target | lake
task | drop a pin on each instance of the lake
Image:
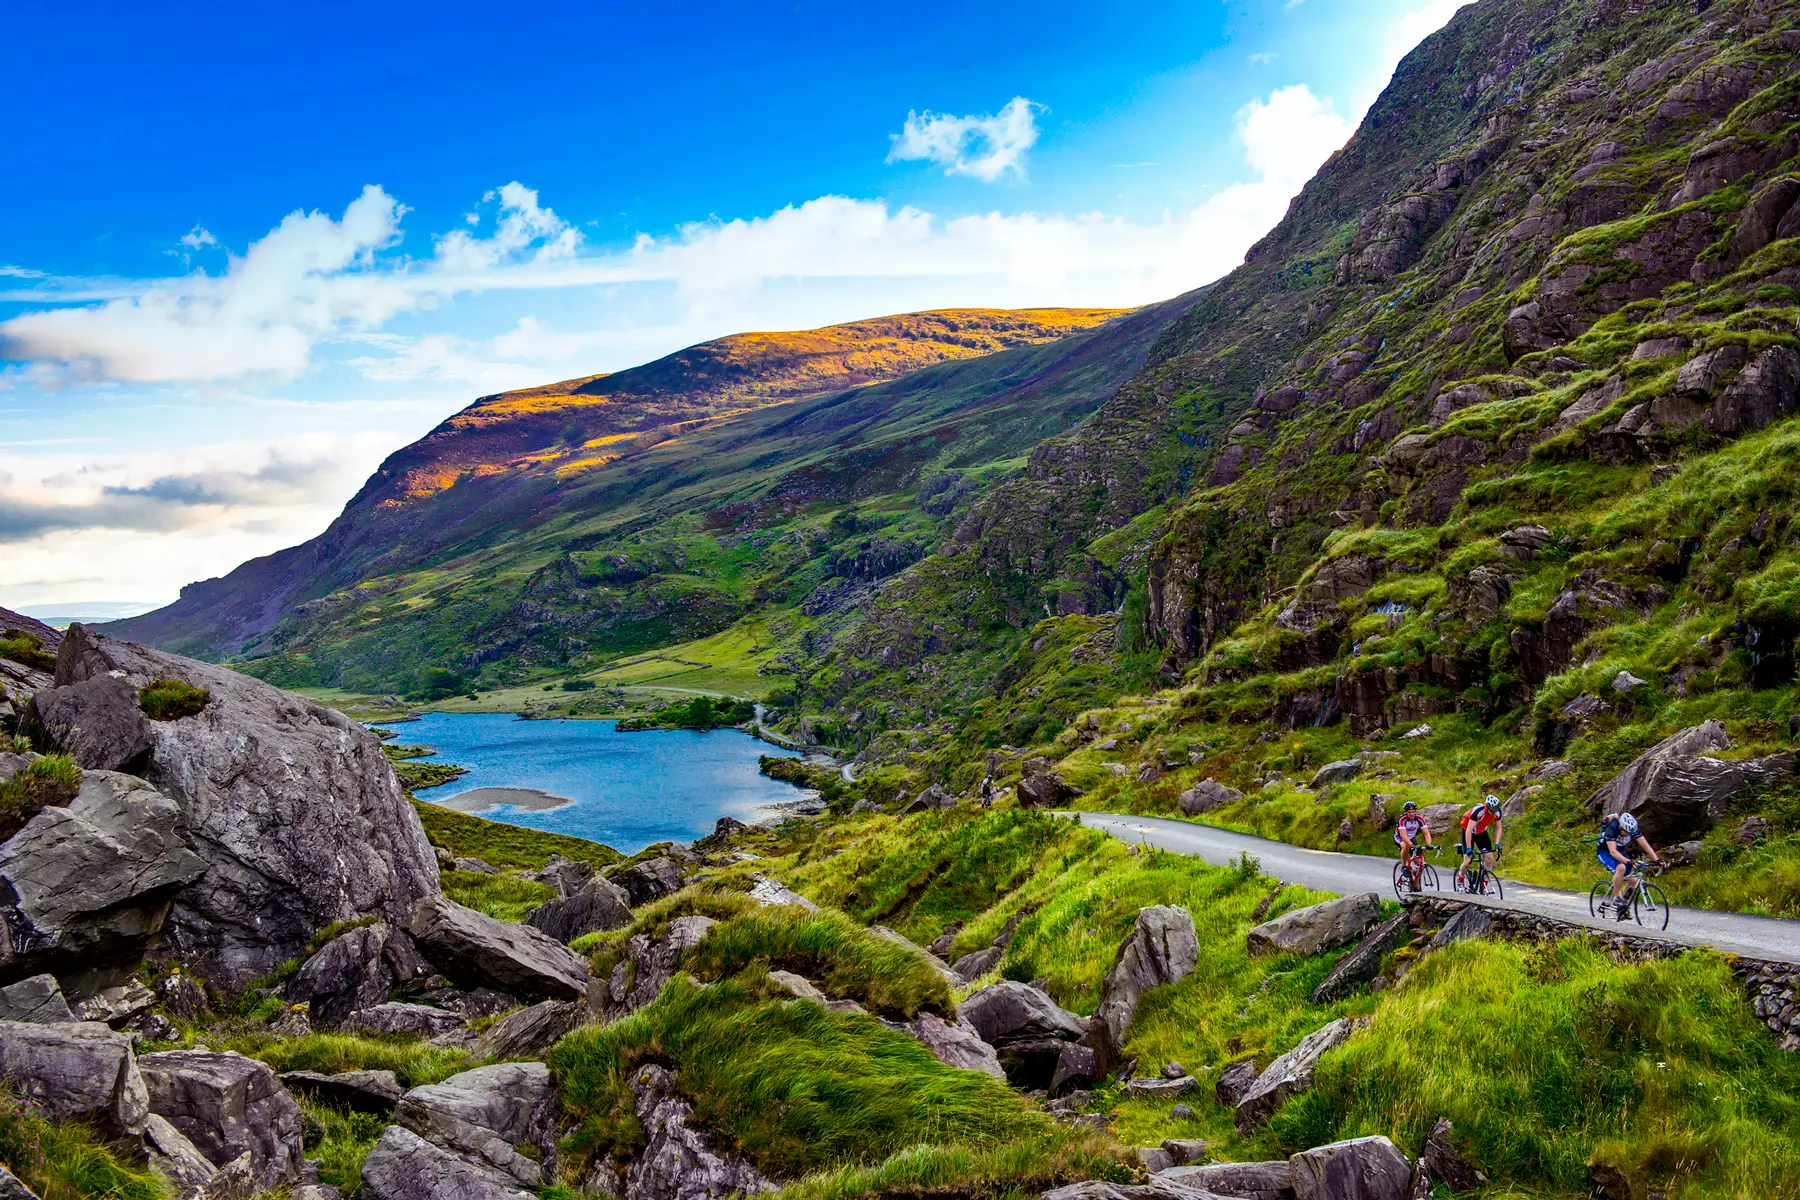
(625, 789)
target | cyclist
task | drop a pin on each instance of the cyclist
(1406, 832)
(987, 791)
(1617, 833)
(1475, 836)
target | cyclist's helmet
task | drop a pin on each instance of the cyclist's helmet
(1492, 801)
(1628, 825)
(1410, 806)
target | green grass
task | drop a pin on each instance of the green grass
(26, 648)
(503, 897)
(67, 1160)
(50, 782)
(171, 699)
(345, 1142)
(414, 1061)
(505, 845)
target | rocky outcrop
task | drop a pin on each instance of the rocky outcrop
(955, 1044)
(1040, 787)
(1205, 796)
(1248, 1180)
(1675, 789)
(1319, 928)
(404, 1166)
(37, 1000)
(1162, 949)
(648, 964)
(500, 1118)
(361, 1091)
(475, 950)
(530, 1031)
(1026, 1028)
(97, 721)
(774, 894)
(1288, 1075)
(1363, 963)
(228, 1106)
(399, 1017)
(294, 808)
(356, 970)
(1342, 771)
(649, 880)
(1366, 1168)
(564, 874)
(80, 1070)
(1443, 1163)
(87, 888)
(178, 1160)
(676, 1163)
(598, 904)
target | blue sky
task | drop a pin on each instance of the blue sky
(246, 254)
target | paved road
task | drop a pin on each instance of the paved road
(1736, 933)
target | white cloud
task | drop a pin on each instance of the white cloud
(982, 147)
(1288, 136)
(1262, 58)
(1413, 26)
(523, 224)
(198, 237)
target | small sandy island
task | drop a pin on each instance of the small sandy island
(485, 799)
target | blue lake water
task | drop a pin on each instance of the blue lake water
(627, 789)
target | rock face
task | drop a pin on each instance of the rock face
(1318, 928)
(294, 808)
(1205, 796)
(356, 970)
(676, 1164)
(80, 1069)
(88, 887)
(228, 1105)
(1676, 789)
(1363, 963)
(1162, 949)
(596, 905)
(475, 950)
(404, 1166)
(647, 965)
(1288, 1075)
(36, 1001)
(97, 721)
(486, 1117)
(1026, 1028)
(395, 1016)
(1249, 1180)
(649, 880)
(530, 1031)
(1368, 1168)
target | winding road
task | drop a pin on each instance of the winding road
(1772, 938)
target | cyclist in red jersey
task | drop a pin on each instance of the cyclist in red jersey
(1476, 835)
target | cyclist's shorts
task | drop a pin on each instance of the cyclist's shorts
(1483, 842)
(1608, 861)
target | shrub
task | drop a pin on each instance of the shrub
(26, 648)
(50, 782)
(171, 699)
(578, 685)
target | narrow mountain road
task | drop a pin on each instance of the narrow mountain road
(1772, 938)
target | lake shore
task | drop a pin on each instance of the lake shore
(520, 799)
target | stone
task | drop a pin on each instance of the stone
(1445, 1163)
(1378, 812)
(797, 986)
(363, 1091)
(1009, 1010)
(954, 1044)
(1173, 1070)
(228, 1105)
(1160, 1187)
(1762, 393)
(13, 1188)
(1342, 771)
(1045, 789)
(1185, 1150)
(1151, 1087)
(565, 875)
(396, 1016)
(774, 893)
(648, 965)
(501, 1117)
(1418, 731)
(315, 1191)
(176, 1158)
(358, 969)
(78, 1069)
(1470, 921)
(971, 967)
(1317, 928)
(1676, 789)
(474, 866)
(1365, 1168)
(864, 806)
(37, 1000)
(86, 889)
(676, 1163)
(1515, 803)
(1750, 831)
(474, 950)
(1162, 949)
(1363, 963)
(1247, 1180)
(598, 904)
(1075, 1068)
(649, 880)
(1205, 796)
(530, 1031)
(937, 964)
(1288, 1075)
(404, 1166)
(96, 721)
(118, 1006)
(1154, 1158)
(1234, 1081)
(293, 808)
(1625, 682)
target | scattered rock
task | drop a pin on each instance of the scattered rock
(676, 1163)
(1151, 1087)
(1234, 1082)
(1342, 771)
(1554, 768)
(96, 721)
(797, 986)
(1154, 1158)
(1162, 949)
(1363, 963)
(1418, 731)
(528, 1032)
(404, 1166)
(971, 967)
(1471, 921)
(502, 1117)
(1750, 831)
(1039, 787)
(649, 880)
(474, 949)
(566, 875)
(1245, 1180)
(646, 967)
(1515, 803)
(363, 1091)
(395, 1016)
(937, 964)
(1675, 789)
(1075, 1068)
(1366, 1168)
(598, 904)
(864, 806)
(1267, 902)
(774, 893)
(228, 1105)
(76, 1070)
(1625, 682)
(358, 969)
(1318, 928)
(955, 1045)
(1378, 813)
(176, 1158)
(1288, 1075)
(475, 866)
(1445, 1163)
(1173, 1070)
(1205, 796)
(1026, 1029)
(1185, 1150)
(36, 1001)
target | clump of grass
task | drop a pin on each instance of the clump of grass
(66, 1160)
(846, 960)
(506, 845)
(503, 897)
(343, 1142)
(171, 699)
(414, 1061)
(26, 648)
(50, 782)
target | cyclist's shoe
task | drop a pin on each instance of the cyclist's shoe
(1415, 885)
(1624, 912)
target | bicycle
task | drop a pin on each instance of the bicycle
(1649, 904)
(1428, 876)
(1478, 880)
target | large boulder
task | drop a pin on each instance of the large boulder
(356, 970)
(648, 964)
(564, 874)
(80, 1070)
(294, 808)
(528, 1032)
(649, 880)
(405, 1166)
(953, 1044)
(1248, 1180)
(1028, 1031)
(86, 889)
(392, 1017)
(1205, 796)
(1364, 963)
(36, 1001)
(1676, 789)
(598, 904)
(178, 1160)
(361, 1091)
(501, 1116)
(97, 721)
(1365, 1168)
(228, 1105)
(1288, 1075)
(1342, 771)
(1041, 787)
(676, 1164)
(1318, 928)
(1162, 949)
(475, 950)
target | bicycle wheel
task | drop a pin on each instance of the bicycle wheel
(1428, 878)
(1602, 891)
(1400, 880)
(1650, 906)
(1490, 886)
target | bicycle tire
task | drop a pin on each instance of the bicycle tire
(1400, 880)
(1428, 878)
(1649, 915)
(1601, 890)
(1490, 886)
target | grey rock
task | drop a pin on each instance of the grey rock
(228, 1105)
(1154, 1158)
(176, 1158)
(1675, 788)
(1162, 949)
(649, 880)
(475, 950)
(1515, 803)
(676, 1163)
(598, 904)
(475, 866)
(1234, 1082)
(1625, 682)
(1205, 796)
(1444, 1162)
(530, 1031)
(37, 1000)
(13, 1188)
(565, 875)
(1750, 831)
(774, 893)
(1318, 928)
(358, 969)
(1160, 1187)
(315, 1191)
(1288, 1075)
(1185, 1150)
(395, 1016)
(97, 721)
(899, 939)
(953, 1044)
(1554, 768)
(404, 1166)
(1342, 771)
(1152, 1087)
(1008, 1010)
(1075, 1068)
(1366, 1168)
(1246, 1180)
(487, 1116)
(971, 967)
(88, 888)
(1763, 392)
(1045, 789)
(864, 806)
(1378, 813)
(797, 986)
(646, 967)
(1471, 921)
(119, 1005)
(1363, 963)
(364, 1091)
(76, 1070)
